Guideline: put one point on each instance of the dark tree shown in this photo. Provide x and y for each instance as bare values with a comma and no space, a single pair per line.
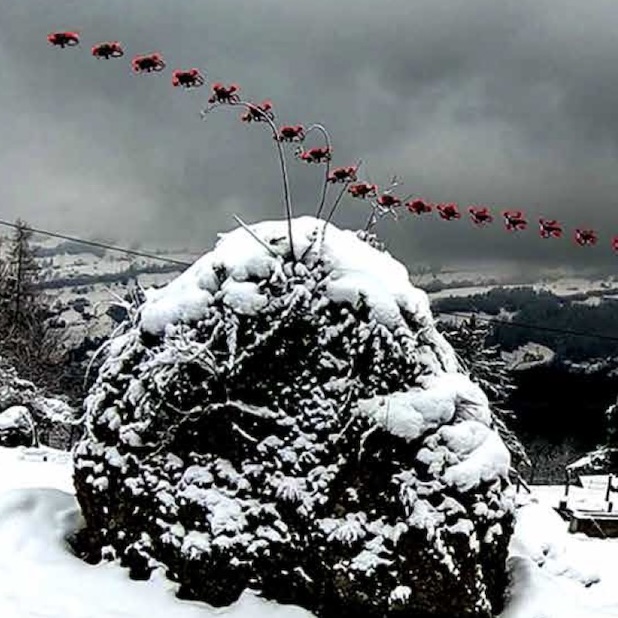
26,338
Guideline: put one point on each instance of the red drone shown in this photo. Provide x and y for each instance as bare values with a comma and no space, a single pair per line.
418,206
224,94
585,237
480,215
148,63
316,155
449,212
387,200
514,220
550,228
343,174
289,133
63,39
363,190
187,79
258,113
107,50
615,243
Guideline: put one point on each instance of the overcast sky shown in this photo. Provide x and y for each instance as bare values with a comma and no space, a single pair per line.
512,104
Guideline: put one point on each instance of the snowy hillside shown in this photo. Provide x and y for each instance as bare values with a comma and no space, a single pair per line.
84,281
555,575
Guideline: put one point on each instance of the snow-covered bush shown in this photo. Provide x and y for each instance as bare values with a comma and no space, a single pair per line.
17,427
41,419
291,421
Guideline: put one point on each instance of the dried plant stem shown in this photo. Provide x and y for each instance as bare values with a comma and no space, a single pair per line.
324,132
253,235
287,199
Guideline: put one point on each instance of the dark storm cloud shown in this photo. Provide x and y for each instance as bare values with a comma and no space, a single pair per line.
512,104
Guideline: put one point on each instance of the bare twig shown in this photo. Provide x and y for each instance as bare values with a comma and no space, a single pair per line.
254,235
282,162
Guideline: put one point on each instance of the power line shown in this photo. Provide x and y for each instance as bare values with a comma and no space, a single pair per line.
563,331
94,243
160,258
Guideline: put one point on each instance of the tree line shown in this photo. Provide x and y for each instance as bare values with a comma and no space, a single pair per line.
542,308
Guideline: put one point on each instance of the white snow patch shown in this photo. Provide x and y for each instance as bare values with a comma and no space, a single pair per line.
356,272
555,574
14,417
484,456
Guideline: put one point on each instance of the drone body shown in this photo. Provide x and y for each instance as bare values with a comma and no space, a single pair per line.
343,174
418,206
480,215
259,113
514,220
388,200
107,50
585,238
291,133
192,78
363,190
448,212
315,155
550,228
63,39
148,63
224,94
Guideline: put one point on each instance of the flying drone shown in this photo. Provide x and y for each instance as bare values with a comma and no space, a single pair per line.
148,63
585,237
343,174
224,94
514,220
315,155
107,50
550,228
363,190
291,133
187,79
388,200
448,212
418,206
259,113
63,39
480,215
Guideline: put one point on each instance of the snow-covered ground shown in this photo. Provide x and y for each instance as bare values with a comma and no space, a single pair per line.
40,578
555,574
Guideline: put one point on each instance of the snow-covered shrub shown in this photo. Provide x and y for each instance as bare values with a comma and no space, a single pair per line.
297,426
17,427
50,415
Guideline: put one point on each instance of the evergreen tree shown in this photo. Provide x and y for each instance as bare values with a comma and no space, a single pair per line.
26,340
489,370
19,301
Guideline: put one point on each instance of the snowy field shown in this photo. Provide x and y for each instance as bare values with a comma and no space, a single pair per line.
555,574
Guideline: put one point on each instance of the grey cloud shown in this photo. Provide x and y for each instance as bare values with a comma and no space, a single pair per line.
511,104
